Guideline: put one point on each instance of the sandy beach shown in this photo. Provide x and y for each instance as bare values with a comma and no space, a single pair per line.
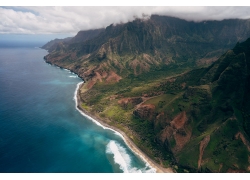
127,140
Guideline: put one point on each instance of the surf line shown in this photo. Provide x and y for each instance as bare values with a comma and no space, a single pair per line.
104,127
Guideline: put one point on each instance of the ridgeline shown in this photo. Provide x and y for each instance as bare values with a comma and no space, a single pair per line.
178,89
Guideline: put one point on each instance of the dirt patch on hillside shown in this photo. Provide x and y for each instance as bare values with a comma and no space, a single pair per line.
113,77
146,111
112,97
203,145
89,73
206,61
94,79
248,168
167,133
139,67
134,65
181,134
181,138
239,134
149,59
170,80
178,130
235,171
85,56
90,84
114,62
98,76
183,85
221,165
179,121
124,102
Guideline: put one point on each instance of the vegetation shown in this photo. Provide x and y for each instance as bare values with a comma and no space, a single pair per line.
160,87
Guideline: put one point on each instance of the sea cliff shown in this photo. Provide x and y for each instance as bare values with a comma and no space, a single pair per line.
179,94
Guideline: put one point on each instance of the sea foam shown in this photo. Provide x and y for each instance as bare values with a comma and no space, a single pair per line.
125,163
122,158
90,118
73,76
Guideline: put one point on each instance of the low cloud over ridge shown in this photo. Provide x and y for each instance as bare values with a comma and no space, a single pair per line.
68,19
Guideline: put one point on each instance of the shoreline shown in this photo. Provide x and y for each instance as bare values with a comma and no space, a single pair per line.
117,131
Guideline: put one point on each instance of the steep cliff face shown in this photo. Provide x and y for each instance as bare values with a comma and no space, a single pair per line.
144,45
50,46
197,121
83,36
138,78
80,37
207,123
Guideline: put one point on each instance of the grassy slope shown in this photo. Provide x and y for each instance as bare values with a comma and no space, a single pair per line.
149,56
210,105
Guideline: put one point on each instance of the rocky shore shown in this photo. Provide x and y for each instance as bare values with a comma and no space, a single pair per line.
127,140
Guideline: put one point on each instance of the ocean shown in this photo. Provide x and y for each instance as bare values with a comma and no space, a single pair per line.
41,131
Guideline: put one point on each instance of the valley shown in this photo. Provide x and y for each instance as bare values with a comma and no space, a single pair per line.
179,90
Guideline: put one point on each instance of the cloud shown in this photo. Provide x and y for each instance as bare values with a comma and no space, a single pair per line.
70,19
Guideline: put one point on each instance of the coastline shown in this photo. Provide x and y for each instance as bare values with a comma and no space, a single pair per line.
126,139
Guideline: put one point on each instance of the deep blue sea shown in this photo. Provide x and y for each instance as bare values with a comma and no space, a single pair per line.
41,130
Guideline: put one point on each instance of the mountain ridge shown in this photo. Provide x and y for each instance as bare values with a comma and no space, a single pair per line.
154,42
158,91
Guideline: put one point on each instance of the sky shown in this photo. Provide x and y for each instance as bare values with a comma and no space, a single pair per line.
67,19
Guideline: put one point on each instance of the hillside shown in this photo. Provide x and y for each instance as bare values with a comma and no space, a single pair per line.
81,36
151,79
51,45
144,45
204,115
197,121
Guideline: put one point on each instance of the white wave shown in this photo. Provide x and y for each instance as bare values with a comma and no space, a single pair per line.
90,118
120,156
148,166
73,76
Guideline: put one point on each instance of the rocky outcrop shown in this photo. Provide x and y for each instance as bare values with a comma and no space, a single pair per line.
176,131
203,145
244,140
146,112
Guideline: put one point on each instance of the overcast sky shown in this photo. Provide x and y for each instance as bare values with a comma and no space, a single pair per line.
71,19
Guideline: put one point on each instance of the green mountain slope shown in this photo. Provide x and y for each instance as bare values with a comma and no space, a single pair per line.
139,78
51,45
209,127
197,121
144,45
81,36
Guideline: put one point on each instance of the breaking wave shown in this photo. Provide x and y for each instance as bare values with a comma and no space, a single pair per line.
122,158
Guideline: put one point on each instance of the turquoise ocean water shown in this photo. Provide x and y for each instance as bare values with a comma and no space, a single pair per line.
40,128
